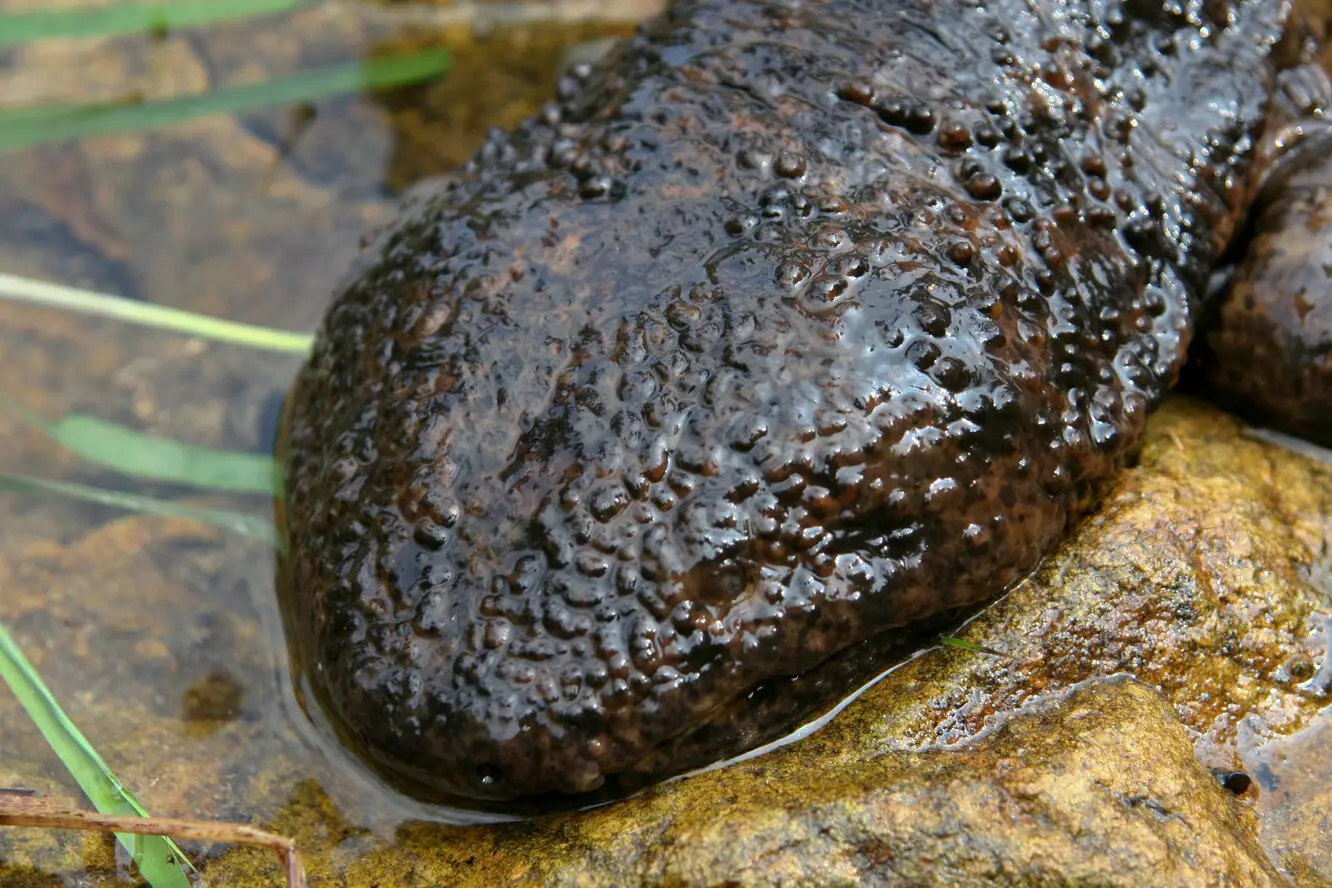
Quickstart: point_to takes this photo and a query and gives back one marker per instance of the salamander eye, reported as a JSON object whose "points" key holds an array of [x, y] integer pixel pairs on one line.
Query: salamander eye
{"points": [[723, 582], [730, 581]]}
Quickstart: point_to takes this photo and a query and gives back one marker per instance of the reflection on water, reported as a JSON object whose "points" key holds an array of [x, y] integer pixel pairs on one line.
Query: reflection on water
{"points": [[159, 636], [1294, 779]]}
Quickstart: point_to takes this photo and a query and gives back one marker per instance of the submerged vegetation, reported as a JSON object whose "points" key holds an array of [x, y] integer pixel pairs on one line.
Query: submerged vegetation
{"points": [[157, 459], [25, 127], [119, 19], [126, 451], [145, 314], [158, 858]]}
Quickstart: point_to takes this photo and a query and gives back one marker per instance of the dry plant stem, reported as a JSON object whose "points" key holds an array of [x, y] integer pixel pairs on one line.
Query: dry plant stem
{"points": [[491, 14], [21, 808]]}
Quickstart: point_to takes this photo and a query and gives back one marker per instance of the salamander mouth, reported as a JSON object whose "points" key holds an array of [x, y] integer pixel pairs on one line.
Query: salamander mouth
{"points": [[764, 713]]}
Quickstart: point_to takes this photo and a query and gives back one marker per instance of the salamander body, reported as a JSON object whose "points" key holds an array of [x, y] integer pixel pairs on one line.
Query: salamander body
{"points": [[793, 322]]}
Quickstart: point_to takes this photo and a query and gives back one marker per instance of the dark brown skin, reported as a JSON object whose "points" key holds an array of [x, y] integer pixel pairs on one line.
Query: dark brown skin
{"points": [[1268, 351], [793, 323]]}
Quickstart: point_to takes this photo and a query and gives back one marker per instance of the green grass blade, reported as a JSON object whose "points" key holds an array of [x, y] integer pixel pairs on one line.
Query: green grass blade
{"points": [[952, 641], [165, 459], [146, 314], [158, 858], [248, 525], [157, 459], [130, 18], [24, 127]]}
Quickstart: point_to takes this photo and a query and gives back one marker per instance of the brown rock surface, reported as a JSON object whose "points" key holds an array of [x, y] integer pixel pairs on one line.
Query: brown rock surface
{"points": [[1099, 786]]}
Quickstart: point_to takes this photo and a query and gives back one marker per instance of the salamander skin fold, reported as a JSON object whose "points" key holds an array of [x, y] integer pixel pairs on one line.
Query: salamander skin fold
{"points": [[789, 324]]}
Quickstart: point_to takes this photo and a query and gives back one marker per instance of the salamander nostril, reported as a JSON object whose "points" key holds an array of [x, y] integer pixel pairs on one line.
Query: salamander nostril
{"points": [[489, 776]]}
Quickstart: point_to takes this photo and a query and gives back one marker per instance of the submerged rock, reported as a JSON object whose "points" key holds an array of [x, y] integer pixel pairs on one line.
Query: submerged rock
{"points": [[1295, 804]]}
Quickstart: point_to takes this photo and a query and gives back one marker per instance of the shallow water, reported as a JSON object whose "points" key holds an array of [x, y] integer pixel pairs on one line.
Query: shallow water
{"points": [[161, 636]]}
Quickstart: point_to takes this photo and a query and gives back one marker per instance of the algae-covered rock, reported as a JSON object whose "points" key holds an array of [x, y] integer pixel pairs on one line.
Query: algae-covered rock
{"points": [[1098, 786], [1200, 572]]}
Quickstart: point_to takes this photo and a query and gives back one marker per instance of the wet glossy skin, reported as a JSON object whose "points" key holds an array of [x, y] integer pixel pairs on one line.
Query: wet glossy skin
{"points": [[1267, 351], [794, 323]]}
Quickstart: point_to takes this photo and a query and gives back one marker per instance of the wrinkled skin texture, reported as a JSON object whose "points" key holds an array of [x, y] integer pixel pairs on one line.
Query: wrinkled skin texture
{"points": [[793, 323], [1268, 351]]}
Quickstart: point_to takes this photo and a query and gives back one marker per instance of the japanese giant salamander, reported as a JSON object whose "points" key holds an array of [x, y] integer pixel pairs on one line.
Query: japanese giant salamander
{"points": [[790, 323]]}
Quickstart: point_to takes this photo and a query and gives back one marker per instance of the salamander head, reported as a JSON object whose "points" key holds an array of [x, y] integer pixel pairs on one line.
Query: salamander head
{"points": [[731, 364]]}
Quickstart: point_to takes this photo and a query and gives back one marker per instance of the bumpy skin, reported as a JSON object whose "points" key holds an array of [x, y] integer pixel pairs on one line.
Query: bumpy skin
{"points": [[792, 323], [1268, 351]]}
